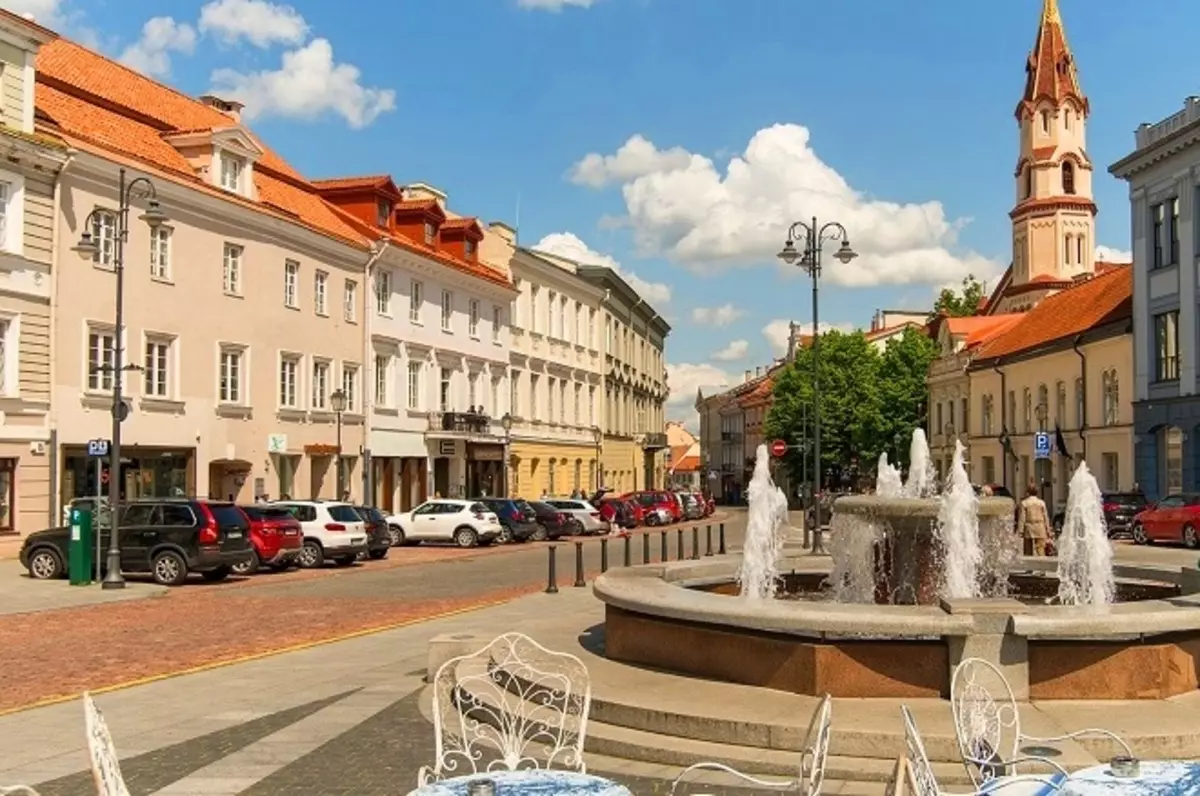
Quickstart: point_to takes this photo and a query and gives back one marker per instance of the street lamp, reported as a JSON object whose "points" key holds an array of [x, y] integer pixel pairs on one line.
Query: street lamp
{"points": [[815, 237], [506, 423], [598, 435], [89, 247], [337, 402]]}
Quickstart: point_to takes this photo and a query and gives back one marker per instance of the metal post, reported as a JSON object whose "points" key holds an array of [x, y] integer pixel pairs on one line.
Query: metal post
{"points": [[663, 539], [721, 541], [341, 485], [604, 555], [551, 572], [579, 581], [628, 555], [679, 544], [96, 515], [695, 542], [645, 548], [113, 579], [708, 550], [814, 241]]}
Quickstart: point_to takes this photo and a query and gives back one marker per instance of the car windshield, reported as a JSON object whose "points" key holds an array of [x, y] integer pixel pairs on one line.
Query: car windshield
{"points": [[344, 513], [226, 514], [267, 513], [479, 508]]}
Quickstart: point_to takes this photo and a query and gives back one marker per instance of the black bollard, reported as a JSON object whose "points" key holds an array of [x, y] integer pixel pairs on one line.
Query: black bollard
{"points": [[604, 555], [551, 572], [663, 535], [628, 556], [645, 548], [579, 581], [708, 540], [679, 544], [721, 540], [695, 542]]}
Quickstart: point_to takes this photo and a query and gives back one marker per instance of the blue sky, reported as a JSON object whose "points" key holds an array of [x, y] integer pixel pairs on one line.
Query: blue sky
{"points": [[894, 118]]}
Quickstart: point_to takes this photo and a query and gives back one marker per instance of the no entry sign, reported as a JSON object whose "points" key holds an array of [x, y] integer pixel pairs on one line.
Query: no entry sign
{"points": [[778, 448]]}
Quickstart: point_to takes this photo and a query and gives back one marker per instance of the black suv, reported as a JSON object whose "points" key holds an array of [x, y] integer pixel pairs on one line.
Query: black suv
{"points": [[1119, 511], [518, 522], [166, 537], [379, 536]]}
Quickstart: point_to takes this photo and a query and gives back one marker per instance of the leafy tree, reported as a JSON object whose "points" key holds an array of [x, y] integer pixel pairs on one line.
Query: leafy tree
{"points": [[961, 303], [902, 371]]}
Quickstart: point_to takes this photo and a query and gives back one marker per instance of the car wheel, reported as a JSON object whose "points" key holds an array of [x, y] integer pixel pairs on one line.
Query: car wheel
{"points": [[250, 566], [1189, 538], [652, 520], [45, 564], [1139, 534], [378, 555], [541, 534], [396, 535], [216, 575], [311, 555], [506, 536], [345, 561], [466, 537], [169, 568]]}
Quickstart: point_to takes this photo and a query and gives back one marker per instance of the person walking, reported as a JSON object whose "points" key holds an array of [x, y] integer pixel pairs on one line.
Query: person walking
{"points": [[1033, 521]]}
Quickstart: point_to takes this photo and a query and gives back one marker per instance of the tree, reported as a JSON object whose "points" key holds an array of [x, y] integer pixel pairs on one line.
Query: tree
{"points": [[962, 303], [902, 372]]}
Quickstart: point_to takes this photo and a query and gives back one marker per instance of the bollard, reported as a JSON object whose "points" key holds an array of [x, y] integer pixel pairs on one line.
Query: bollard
{"points": [[579, 581], [628, 544], [604, 555], [663, 535], [645, 548], [708, 540], [679, 544], [551, 573], [695, 543], [721, 540]]}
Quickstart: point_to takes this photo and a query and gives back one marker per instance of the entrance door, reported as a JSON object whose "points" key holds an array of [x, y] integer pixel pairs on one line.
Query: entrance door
{"points": [[441, 476]]}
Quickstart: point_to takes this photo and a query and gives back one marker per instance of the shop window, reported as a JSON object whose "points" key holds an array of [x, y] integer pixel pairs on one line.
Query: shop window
{"points": [[8, 494]]}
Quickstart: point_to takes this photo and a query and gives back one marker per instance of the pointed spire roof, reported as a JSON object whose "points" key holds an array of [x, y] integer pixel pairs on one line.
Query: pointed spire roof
{"points": [[1050, 71]]}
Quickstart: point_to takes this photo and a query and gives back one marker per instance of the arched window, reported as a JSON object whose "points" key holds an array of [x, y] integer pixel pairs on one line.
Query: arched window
{"points": [[1067, 118], [1045, 121], [1028, 410], [1067, 247], [1043, 406], [1112, 397], [1027, 182], [1060, 405], [1068, 176]]}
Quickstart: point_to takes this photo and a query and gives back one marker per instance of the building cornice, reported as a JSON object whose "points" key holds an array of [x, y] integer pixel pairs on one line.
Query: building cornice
{"points": [[527, 265], [428, 268], [608, 279], [1162, 149]]}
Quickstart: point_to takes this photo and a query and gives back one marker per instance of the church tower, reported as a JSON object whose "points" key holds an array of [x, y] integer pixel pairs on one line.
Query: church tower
{"points": [[1054, 219]]}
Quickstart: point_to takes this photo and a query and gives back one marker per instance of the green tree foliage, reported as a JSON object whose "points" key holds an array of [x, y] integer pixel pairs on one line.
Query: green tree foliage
{"points": [[961, 303], [902, 371]]}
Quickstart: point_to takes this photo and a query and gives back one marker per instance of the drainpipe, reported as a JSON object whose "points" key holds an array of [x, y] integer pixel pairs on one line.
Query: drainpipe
{"points": [[1083, 386], [368, 387], [56, 251], [1004, 452]]}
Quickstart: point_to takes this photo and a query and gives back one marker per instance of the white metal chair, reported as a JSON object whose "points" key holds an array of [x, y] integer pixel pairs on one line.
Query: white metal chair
{"points": [[106, 769], [989, 733], [507, 706], [924, 782], [812, 759]]}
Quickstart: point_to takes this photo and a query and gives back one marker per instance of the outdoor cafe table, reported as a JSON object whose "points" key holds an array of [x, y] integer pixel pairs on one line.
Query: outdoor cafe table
{"points": [[1157, 778], [528, 783]]}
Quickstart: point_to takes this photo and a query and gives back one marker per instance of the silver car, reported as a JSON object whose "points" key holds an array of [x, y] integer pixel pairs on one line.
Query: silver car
{"points": [[585, 516]]}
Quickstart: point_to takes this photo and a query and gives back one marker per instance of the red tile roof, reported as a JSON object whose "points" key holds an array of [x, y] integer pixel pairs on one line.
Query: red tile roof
{"points": [[1050, 71], [345, 183], [978, 329], [681, 462]]}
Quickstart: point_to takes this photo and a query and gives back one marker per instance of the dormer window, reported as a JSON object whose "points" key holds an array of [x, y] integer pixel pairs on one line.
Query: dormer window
{"points": [[383, 213], [232, 169], [430, 233], [469, 249]]}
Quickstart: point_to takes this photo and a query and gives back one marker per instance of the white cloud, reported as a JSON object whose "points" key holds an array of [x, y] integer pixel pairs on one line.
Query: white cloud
{"points": [[1109, 255], [44, 12], [637, 157], [309, 85], [569, 246], [777, 331], [161, 36], [684, 379], [716, 316], [736, 350], [553, 5], [256, 21], [710, 219]]}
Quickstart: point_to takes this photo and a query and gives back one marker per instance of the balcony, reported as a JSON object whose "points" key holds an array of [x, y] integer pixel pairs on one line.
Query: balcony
{"points": [[731, 436], [462, 425], [655, 440]]}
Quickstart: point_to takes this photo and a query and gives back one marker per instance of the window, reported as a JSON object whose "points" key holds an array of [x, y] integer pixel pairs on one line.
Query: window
{"points": [[1112, 397], [1079, 239], [100, 359], [1156, 224], [1068, 177], [1067, 249], [383, 367], [430, 233], [350, 301], [1027, 413], [550, 391], [350, 386], [1027, 182], [553, 327], [104, 234], [495, 397], [514, 393], [160, 252], [1060, 405], [940, 426], [496, 318], [11, 216], [291, 284], [447, 310], [9, 370], [320, 297], [383, 292], [473, 390], [414, 385], [231, 172], [444, 385], [1166, 346], [608, 334], [591, 406], [8, 494], [289, 381], [1045, 121], [591, 335], [534, 319], [469, 249], [1080, 405], [383, 212], [1043, 406], [562, 401], [320, 385], [576, 417], [1110, 469], [229, 388], [1010, 419], [1171, 461], [986, 415], [416, 297], [534, 380], [473, 319], [231, 275], [157, 373], [1173, 210]]}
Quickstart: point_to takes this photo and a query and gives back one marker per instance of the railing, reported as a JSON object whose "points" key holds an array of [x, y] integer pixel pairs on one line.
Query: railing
{"points": [[655, 439], [460, 422], [1148, 134], [730, 436]]}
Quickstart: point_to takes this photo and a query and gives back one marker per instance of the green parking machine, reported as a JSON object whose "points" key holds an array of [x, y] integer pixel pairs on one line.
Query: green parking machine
{"points": [[80, 548]]}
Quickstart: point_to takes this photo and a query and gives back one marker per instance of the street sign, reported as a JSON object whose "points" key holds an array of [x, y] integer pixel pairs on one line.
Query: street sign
{"points": [[778, 448], [1041, 445], [97, 448]]}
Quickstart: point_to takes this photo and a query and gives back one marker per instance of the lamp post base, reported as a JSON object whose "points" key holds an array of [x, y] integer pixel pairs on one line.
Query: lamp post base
{"points": [[113, 579]]}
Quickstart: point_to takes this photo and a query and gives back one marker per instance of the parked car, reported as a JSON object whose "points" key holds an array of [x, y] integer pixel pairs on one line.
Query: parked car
{"points": [[554, 524], [587, 518], [661, 509], [275, 536], [517, 523], [332, 531], [379, 537], [1175, 518], [692, 508], [467, 523], [169, 538], [1119, 510], [618, 513]]}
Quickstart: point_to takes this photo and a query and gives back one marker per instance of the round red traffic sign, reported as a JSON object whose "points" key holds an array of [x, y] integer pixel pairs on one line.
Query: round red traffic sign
{"points": [[778, 448]]}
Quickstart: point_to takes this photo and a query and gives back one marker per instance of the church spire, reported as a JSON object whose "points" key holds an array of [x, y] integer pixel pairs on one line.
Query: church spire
{"points": [[1050, 72]]}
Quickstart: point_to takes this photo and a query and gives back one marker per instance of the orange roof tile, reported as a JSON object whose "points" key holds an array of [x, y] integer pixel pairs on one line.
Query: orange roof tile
{"points": [[1100, 300], [762, 392], [417, 204], [688, 464], [343, 183], [461, 222], [1050, 71], [981, 328]]}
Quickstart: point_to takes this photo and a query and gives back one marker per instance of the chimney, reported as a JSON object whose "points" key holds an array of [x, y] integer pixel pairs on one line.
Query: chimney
{"points": [[231, 108], [423, 190], [504, 231], [758, 371], [748, 375]]}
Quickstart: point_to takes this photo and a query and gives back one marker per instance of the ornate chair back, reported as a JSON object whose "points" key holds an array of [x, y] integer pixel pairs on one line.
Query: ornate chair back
{"points": [[106, 770], [986, 720], [816, 749]]}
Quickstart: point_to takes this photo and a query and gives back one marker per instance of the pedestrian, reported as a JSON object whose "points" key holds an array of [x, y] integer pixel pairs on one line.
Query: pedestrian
{"points": [[1033, 522], [986, 491]]}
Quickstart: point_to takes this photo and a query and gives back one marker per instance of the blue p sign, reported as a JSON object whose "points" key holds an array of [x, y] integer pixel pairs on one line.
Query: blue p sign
{"points": [[1041, 445]]}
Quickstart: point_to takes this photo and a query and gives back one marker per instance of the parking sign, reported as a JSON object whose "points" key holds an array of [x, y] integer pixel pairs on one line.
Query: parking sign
{"points": [[1041, 445], [97, 448]]}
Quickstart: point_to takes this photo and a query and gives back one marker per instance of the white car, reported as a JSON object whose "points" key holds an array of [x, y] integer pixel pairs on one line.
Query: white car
{"points": [[467, 523], [332, 531], [582, 512]]}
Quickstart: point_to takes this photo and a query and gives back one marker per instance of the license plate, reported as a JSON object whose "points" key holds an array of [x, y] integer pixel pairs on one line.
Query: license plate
{"points": [[234, 535], [290, 532]]}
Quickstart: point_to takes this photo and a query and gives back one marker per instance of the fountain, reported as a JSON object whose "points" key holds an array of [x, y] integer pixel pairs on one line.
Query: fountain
{"points": [[765, 523], [1085, 555], [958, 533], [888, 483]]}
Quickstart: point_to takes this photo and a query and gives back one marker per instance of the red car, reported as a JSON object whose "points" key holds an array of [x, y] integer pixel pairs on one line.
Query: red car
{"points": [[275, 536], [1175, 518], [652, 502]]}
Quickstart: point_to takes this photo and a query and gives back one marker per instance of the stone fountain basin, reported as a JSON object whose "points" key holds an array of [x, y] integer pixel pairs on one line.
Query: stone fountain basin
{"points": [[656, 616]]}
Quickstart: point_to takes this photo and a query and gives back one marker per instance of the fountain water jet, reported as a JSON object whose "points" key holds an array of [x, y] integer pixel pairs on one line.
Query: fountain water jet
{"points": [[888, 483], [1085, 555], [922, 482], [958, 533], [766, 521]]}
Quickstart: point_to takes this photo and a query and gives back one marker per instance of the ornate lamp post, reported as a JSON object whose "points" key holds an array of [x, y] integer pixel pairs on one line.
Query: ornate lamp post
{"points": [[506, 423], [337, 402], [89, 247], [815, 237], [598, 436]]}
